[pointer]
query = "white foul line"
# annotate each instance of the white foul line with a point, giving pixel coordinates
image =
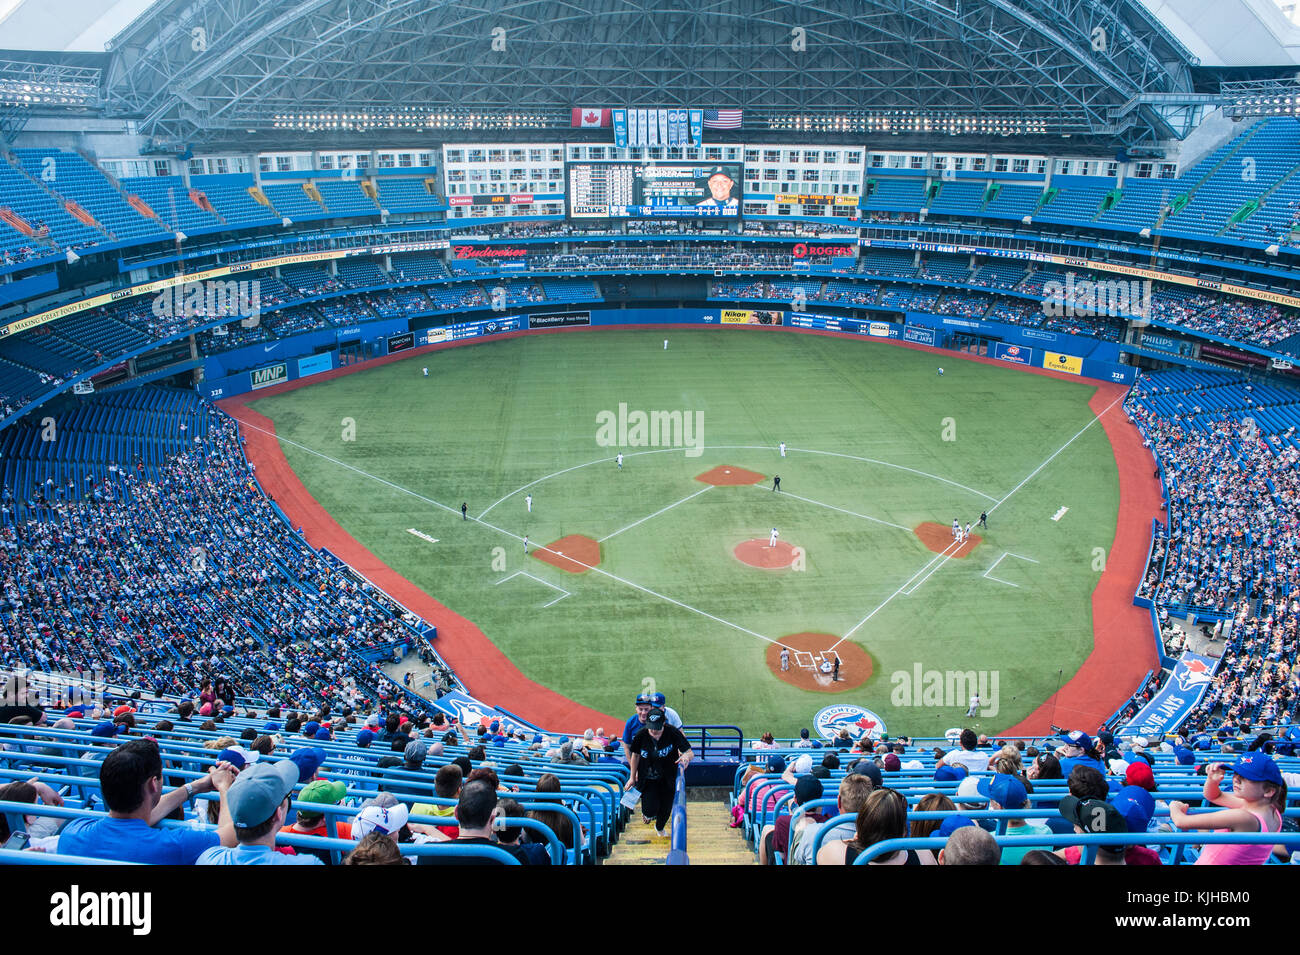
(865, 517)
(512, 536)
(563, 593)
(655, 514)
(946, 556)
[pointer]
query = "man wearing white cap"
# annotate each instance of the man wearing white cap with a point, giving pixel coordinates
(258, 800)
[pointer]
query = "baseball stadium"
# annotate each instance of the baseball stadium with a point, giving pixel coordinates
(599, 433)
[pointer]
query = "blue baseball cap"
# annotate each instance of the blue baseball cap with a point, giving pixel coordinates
(952, 824)
(322, 732)
(270, 727)
(365, 738)
(1007, 791)
(309, 729)
(1259, 767)
(1077, 738)
(658, 699)
(308, 760)
(950, 774)
(1136, 805)
(1184, 756)
(776, 764)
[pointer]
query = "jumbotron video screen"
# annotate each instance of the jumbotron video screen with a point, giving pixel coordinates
(629, 190)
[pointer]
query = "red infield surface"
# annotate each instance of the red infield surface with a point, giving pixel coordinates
(726, 475)
(756, 553)
(808, 651)
(939, 539)
(574, 553)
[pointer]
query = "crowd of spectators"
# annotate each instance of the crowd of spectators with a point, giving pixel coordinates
(1231, 549)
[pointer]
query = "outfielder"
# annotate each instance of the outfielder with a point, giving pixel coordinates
(974, 705)
(619, 459)
(528, 499)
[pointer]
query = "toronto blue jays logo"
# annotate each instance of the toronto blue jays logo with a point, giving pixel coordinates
(1192, 673)
(856, 719)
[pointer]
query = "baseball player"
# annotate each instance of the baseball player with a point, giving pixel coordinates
(665, 344)
(525, 545)
(528, 499)
(966, 536)
(956, 529)
(782, 449)
(785, 659)
(974, 705)
(619, 459)
(426, 373)
(771, 541)
(940, 372)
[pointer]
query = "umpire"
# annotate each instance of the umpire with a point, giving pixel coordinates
(657, 752)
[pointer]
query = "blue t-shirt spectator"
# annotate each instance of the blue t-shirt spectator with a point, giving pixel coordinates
(253, 855)
(134, 840)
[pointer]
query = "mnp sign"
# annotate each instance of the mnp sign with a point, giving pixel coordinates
(1066, 363)
(270, 375)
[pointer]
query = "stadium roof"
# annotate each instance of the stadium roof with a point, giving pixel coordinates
(1232, 33)
(190, 71)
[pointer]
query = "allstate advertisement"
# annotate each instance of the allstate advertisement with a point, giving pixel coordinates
(1192, 676)
(1013, 353)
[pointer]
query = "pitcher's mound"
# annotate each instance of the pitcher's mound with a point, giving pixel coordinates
(809, 654)
(939, 539)
(725, 475)
(756, 553)
(574, 553)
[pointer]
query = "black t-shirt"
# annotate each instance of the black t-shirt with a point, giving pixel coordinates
(658, 757)
(465, 860)
(7, 713)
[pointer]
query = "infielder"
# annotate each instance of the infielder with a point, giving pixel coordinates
(771, 541)
(956, 529)
(525, 545)
(782, 449)
(967, 535)
(619, 459)
(528, 499)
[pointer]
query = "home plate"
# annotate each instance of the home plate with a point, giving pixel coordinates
(1059, 514)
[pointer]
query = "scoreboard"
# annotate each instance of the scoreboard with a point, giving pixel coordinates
(633, 190)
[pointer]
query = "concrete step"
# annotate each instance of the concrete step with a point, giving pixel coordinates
(710, 840)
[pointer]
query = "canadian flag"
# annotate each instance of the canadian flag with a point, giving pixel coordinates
(592, 117)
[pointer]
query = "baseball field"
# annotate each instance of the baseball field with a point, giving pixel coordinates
(661, 573)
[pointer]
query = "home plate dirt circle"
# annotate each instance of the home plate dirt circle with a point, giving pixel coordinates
(756, 553)
(809, 652)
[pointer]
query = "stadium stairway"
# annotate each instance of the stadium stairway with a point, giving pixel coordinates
(710, 839)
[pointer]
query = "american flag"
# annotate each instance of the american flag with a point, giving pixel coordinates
(722, 118)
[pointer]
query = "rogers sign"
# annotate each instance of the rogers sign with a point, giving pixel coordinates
(488, 252)
(802, 250)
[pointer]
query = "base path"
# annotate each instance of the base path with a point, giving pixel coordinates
(574, 553)
(726, 475)
(940, 540)
(808, 654)
(486, 672)
(756, 553)
(1123, 646)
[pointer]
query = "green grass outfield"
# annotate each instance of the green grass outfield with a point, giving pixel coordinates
(493, 418)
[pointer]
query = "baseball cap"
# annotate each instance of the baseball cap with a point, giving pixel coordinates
(1139, 774)
(365, 738)
(1004, 789)
(258, 791)
(308, 760)
(122, 711)
(1136, 805)
(323, 790)
(1258, 766)
(968, 791)
(658, 699)
(719, 171)
(806, 788)
(950, 774)
(776, 764)
(865, 767)
(1092, 815)
(1077, 738)
(1184, 756)
(238, 757)
(385, 819)
(323, 733)
(310, 728)
(415, 751)
(952, 823)
(270, 726)
(802, 765)
(643, 699)
(656, 719)
(892, 763)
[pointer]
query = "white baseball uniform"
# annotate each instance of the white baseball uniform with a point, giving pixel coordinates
(665, 344)
(528, 499)
(782, 449)
(771, 541)
(619, 459)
